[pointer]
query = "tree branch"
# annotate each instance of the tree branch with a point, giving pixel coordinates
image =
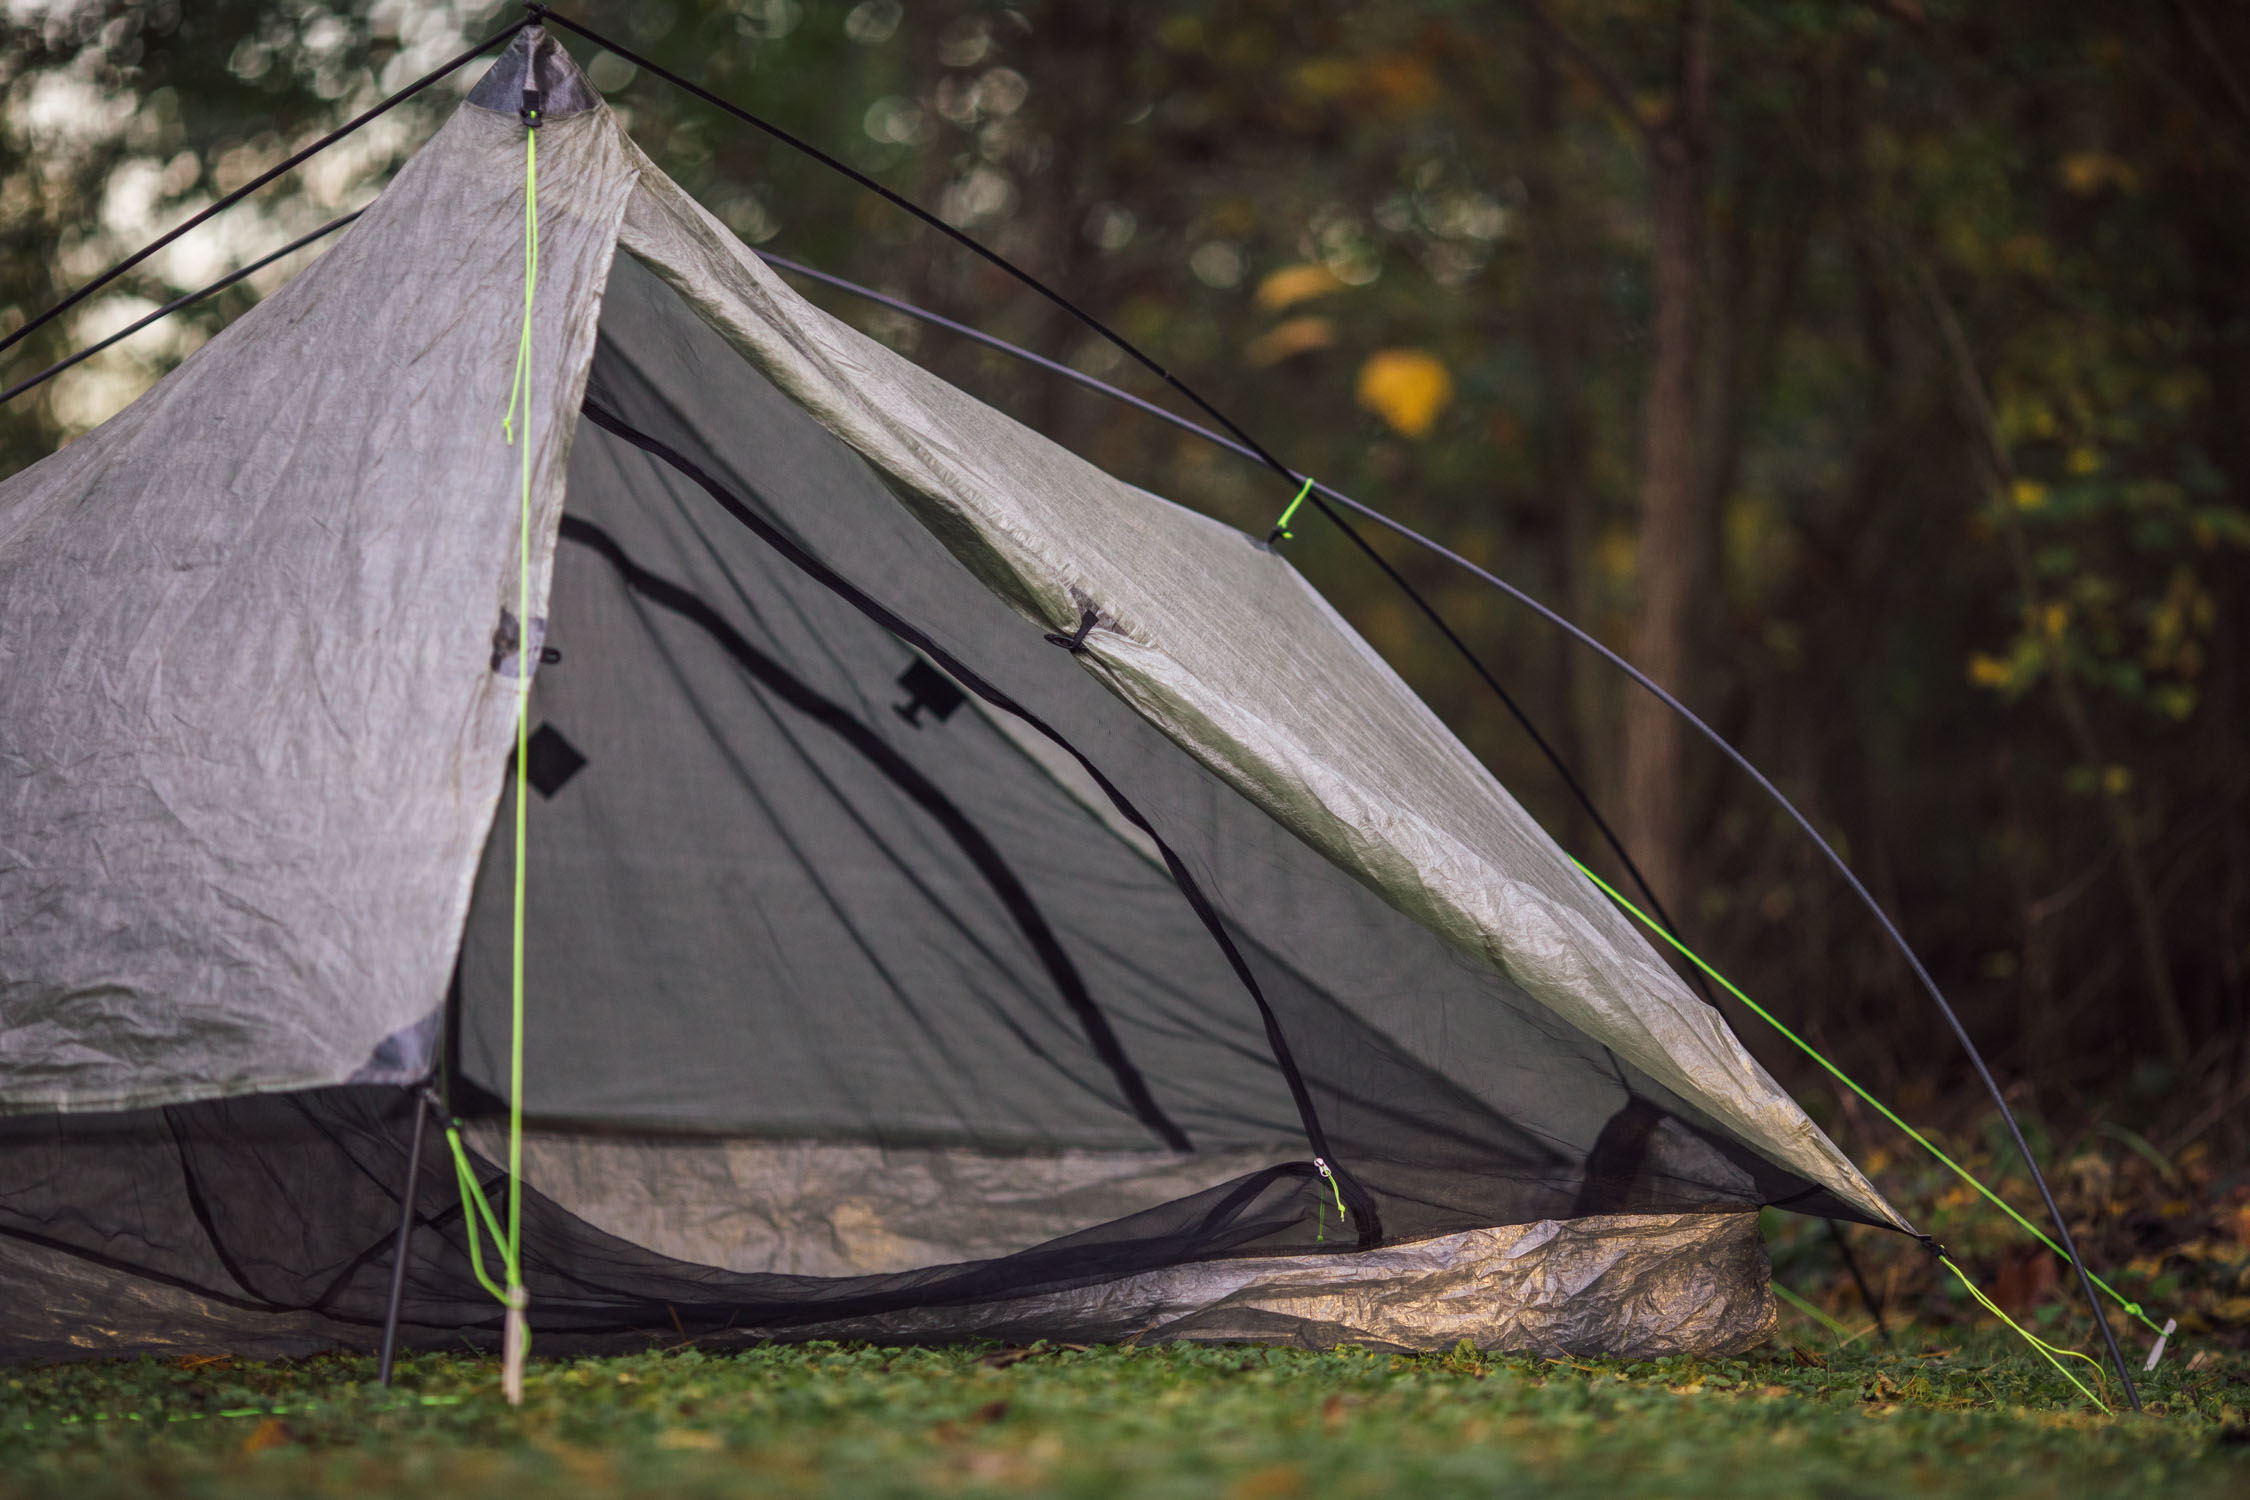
(1998, 468)
(1612, 87)
(2215, 55)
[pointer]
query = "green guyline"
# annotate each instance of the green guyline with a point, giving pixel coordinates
(1849, 1082)
(476, 1208)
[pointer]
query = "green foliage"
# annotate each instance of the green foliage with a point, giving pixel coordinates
(1962, 1417)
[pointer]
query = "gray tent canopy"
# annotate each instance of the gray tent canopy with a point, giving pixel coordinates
(967, 894)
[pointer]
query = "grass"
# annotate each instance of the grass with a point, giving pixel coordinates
(1972, 1416)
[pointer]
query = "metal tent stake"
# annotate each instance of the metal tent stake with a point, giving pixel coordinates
(405, 1233)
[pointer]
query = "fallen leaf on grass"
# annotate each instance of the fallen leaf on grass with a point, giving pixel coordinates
(1272, 1483)
(690, 1439)
(270, 1433)
(983, 1416)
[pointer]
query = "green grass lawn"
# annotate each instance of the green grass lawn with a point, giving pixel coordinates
(1971, 1417)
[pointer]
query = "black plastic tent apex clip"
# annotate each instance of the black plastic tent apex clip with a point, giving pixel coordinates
(534, 100)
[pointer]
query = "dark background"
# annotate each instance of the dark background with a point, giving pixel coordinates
(1872, 372)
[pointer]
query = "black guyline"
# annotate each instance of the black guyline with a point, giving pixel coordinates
(967, 242)
(255, 183)
(1014, 897)
(1360, 1201)
(1320, 493)
(1476, 664)
(173, 306)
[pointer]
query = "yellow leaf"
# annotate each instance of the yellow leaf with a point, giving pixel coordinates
(1403, 82)
(1617, 555)
(1988, 671)
(2085, 460)
(1326, 77)
(2029, 494)
(1293, 284)
(2088, 172)
(1181, 33)
(1286, 340)
(1406, 388)
(2117, 781)
(2027, 253)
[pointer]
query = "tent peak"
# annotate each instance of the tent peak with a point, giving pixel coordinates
(563, 90)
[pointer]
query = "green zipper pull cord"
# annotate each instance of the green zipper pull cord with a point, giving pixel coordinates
(475, 1207)
(1281, 527)
(2131, 1307)
(1320, 1234)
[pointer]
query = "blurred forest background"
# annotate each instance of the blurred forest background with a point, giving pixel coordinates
(1871, 371)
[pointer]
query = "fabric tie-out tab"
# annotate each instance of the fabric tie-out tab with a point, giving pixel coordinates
(1075, 644)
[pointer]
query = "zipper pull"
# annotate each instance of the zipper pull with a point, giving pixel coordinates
(1320, 1165)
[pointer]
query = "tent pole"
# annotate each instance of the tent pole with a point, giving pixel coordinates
(405, 1233)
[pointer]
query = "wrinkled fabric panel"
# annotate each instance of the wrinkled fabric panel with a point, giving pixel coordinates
(1219, 642)
(1629, 1286)
(837, 1208)
(251, 734)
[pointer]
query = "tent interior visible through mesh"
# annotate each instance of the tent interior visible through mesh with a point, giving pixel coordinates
(966, 895)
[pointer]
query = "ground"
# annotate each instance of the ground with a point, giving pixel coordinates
(1962, 1415)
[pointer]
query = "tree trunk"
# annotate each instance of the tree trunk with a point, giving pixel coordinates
(1675, 508)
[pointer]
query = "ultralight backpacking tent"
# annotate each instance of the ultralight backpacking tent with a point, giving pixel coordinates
(962, 894)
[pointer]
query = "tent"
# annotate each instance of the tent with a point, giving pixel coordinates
(964, 895)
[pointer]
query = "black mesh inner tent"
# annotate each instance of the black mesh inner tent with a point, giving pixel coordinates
(840, 872)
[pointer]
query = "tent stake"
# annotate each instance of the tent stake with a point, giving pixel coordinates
(405, 1233)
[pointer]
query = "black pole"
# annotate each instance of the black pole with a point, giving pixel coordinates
(175, 305)
(405, 1233)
